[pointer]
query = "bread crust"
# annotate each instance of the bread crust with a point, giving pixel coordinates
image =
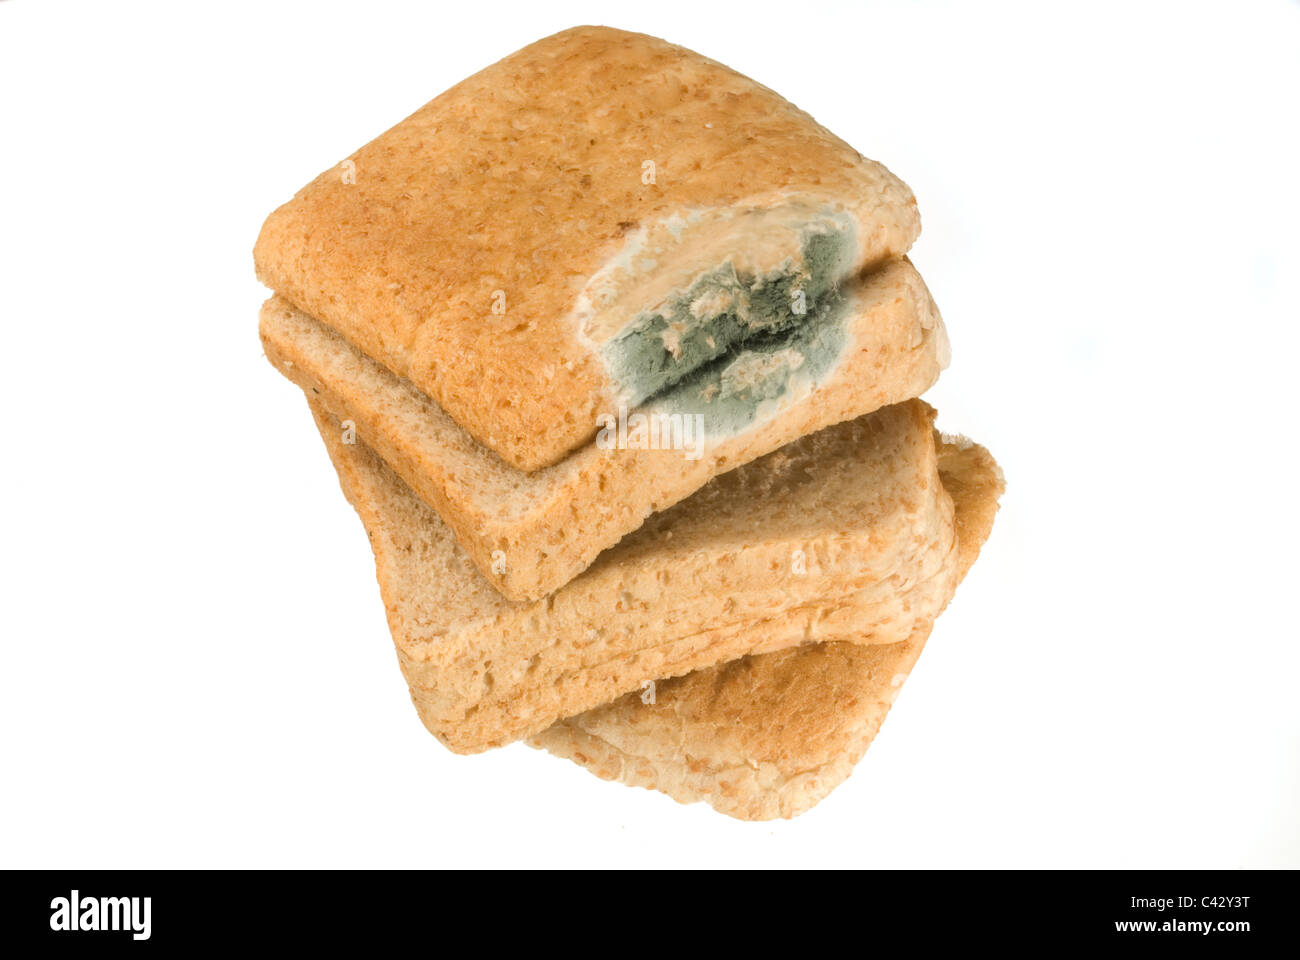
(771, 735)
(530, 533)
(843, 535)
(759, 738)
(526, 180)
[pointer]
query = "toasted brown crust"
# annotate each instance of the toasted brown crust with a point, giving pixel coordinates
(548, 526)
(526, 178)
(771, 735)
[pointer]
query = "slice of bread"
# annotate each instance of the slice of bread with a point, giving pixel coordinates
(590, 219)
(771, 735)
(530, 533)
(846, 534)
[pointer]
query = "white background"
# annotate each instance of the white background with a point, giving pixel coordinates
(196, 667)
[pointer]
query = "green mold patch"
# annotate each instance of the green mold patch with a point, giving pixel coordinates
(753, 383)
(726, 313)
(733, 349)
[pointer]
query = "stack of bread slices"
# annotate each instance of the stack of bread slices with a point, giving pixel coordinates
(616, 353)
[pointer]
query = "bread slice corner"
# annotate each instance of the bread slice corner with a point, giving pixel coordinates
(770, 736)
